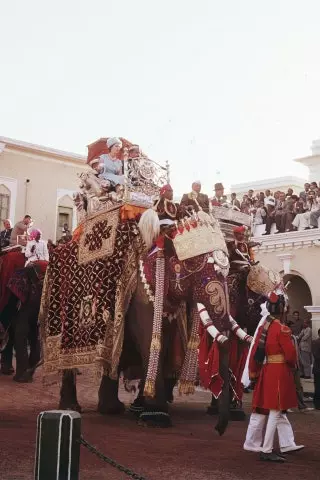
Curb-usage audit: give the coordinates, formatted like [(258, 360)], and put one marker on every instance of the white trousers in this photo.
[(275, 421)]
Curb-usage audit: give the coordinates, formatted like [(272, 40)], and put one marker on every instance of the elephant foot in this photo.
[(109, 403), (64, 405), (155, 420), (116, 409)]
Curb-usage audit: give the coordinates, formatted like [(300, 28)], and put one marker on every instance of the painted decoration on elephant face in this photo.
[(262, 280), (217, 297), (98, 236)]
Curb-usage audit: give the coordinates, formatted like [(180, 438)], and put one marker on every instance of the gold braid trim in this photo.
[(155, 346), (190, 365)]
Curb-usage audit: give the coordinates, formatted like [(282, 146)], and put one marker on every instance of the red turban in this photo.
[(241, 229), (165, 188)]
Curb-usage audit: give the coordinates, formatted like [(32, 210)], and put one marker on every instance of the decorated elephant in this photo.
[(190, 267)]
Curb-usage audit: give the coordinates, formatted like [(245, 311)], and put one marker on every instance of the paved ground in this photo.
[(189, 450)]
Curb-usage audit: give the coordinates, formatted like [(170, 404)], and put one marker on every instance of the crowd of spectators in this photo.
[(287, 210)]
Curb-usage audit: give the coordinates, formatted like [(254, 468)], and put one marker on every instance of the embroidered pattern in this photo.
[(100, 231), (98, 237)]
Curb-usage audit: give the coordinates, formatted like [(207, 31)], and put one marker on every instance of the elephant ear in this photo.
[(149, 226)]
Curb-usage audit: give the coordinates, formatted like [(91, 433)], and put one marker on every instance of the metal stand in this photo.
[(58, 445)]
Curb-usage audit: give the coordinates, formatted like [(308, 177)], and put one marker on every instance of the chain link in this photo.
[(109, 460)]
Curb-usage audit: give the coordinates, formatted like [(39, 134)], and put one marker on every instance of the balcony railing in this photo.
[(295, 240)]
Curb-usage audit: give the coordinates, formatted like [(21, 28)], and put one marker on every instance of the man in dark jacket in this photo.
[(195, 200), (316, 371), (5, 234)]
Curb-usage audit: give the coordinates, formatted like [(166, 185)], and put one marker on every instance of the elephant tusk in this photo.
[(238, 331), (208, 325)]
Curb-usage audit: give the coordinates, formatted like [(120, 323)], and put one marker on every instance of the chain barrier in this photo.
[(109, 460)]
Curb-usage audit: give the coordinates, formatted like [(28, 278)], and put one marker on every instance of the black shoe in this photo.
[(24, 378), (6, 370), (271, 457)]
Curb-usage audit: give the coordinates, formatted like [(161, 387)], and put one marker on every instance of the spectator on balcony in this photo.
[(315, 212), (284, 214), (303, 194), (234, 201), (301, 220), (250, 194), (270, 218), (246, 204), (314, 186), (259, 214), (276, 197), (267, 196), (261, 197), (289, 193)]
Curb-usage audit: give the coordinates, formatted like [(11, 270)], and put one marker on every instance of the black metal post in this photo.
[(58, 445)]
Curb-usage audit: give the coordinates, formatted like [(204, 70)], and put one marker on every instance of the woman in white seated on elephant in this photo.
[(112, 166), (36, 248)]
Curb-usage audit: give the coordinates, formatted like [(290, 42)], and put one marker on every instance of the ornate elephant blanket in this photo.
[(9, 263), (27, 282), (86, 293)]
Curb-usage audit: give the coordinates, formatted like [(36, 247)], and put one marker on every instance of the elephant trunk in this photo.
[(223, 401), (224, 398)]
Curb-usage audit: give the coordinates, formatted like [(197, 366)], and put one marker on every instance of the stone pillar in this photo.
[(312, 162), (286, 262), (315, 312)]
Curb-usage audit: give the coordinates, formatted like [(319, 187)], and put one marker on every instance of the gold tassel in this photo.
[(155, 343), (186, 387), (193, 343), (149, 388)]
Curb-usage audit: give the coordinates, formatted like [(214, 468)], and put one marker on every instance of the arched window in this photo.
[(4, 203), (65, 215)]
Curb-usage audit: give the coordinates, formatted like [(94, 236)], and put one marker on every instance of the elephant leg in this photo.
[(169, 384), (68, 392), (7, 355), (21, 332), (224, 398), (139, 324), (34, 340), (156, 413), (7, 316), (109, 403)]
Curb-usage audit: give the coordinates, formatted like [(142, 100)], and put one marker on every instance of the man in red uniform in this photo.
[(271, 363)]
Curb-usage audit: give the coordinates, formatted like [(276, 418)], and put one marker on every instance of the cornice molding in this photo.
[(18, 145), (290, 240)]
